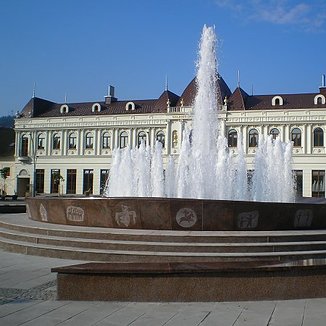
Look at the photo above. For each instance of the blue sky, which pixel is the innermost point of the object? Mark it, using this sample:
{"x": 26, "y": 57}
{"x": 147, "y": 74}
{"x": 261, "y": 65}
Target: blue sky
{"x": 77, "y": 47}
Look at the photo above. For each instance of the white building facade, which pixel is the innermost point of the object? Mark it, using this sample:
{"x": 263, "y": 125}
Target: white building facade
{"x": 67, "y": 148}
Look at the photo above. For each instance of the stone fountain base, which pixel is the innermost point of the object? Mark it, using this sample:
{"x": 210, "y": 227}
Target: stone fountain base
{"x": 202, "y": 282}
{"x": 262, "y": 277}
{"x": 177, "y": 214}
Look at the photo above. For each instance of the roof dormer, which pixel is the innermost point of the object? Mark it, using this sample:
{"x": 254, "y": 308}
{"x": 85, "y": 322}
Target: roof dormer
{"x": 130, "y": 106}
{"x": 277, "y": 101}
{"x": 319, "y": 99}
{"x": 64, "y": 109}
{"x": 96, "y": 107}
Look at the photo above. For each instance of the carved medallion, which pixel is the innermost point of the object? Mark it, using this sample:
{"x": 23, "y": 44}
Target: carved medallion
{"x": 125, "y": 217}
{"x": 75, "y": 214}
{"x": 248, "y": 220}
{"x": 186, "y": 217}
{"x": 303, "y": 218}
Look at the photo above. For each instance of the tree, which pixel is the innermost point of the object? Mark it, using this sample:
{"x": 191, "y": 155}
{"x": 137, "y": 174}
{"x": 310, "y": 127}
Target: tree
{"x": 4, "y": 173}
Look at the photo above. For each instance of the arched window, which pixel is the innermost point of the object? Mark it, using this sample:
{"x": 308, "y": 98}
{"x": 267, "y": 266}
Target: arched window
{"x": 319, "y": 99}
{"x": 141, "y": 138}
{"x": 253, "y": 138}
{"x": 123, "y": 139}
{"x": 318, "y": 137}
{"x": 89, "y": 140}
{"x": 130, "y": 106}
{"x": 106, "y": 140}
{"x": 174, "y": 139}
{"x": 296, "y": 137}
{"x": 56, "y": 141}
{"x": 161, "y": 137}
{"x": 277, "y": 100}
{"x": 274, "y": 132}
{"x": 72, "y": 141}
{"x": 41, "y": 141}
{"x": 64, "y": 109}
{"x": 232, "y": 138}
{"x": 96, "y": 107}
{"x": 24, "y": 146}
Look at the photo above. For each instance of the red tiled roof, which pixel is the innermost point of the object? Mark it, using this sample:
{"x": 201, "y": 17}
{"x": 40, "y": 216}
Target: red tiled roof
{"x": 189, "y": 94}
{"x": 239, "y": 100}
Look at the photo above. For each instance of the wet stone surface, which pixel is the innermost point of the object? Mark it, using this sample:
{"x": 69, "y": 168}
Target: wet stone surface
{"x": 46, "y": 291}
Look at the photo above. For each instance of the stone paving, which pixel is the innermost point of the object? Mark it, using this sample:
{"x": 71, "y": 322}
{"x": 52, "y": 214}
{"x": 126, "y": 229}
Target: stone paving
{"x": 28, "y": 297}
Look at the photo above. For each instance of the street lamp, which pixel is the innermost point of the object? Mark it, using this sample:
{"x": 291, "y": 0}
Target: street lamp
{"x": 34, "y": 157}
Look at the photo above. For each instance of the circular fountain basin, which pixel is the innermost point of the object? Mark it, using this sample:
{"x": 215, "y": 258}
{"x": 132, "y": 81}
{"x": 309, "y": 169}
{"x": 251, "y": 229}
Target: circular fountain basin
{"x": 178, "y": 214}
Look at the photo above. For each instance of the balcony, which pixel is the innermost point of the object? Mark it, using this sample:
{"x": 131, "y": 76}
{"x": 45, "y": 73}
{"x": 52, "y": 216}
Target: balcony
{"x": 24, "y": 159}
{"x": 179, "y": 109}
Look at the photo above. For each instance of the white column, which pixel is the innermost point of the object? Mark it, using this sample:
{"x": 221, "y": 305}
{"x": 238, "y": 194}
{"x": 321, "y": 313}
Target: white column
{"x": 79, "y": 181}
{"x": 96, "y": 181}
{"x": 152, "y": 137}
{"x": 286, "y": 133}
{"x": 309, "y": 139}
{"x": 64, "y": 149}
{"x": 168, "y": 144}
{"x": 133, "y": 140}
{"x": 307, "y": 183}
{"x": 81, "y": 136}
{"x": 115, "y": 138}
{"x": 244, "y": 132}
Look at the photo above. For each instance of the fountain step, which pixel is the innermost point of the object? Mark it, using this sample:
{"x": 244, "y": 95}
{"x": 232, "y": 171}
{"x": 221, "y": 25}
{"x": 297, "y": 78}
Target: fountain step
{"x": 19, "y": 234}
{"x": 158, "y": 246}
{"x": 150, "y": 256}
{"x": 20, "y": 222}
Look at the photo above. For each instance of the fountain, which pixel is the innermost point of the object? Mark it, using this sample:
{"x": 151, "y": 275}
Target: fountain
{"x": 207, "y": 189}
{"x": 205, "y": 168}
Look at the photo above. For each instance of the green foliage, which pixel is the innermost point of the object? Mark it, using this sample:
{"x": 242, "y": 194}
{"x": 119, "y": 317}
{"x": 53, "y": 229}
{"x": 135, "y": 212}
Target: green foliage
{"x": 7, "y": 121}
{"x": 4, "y": 172}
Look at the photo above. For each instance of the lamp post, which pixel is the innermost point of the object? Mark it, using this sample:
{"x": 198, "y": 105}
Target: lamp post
{"x": 34, "y": 157}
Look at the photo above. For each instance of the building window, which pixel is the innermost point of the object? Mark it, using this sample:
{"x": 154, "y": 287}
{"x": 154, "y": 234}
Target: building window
{"x": 41, "y": 141}
{"x": 89, "y": 140}
{"x": 103, "y": 179}
{"x": 161, "y": 138}
{"x": 64, "y": 109}
{"x": 141, "y": 138}
{"x": 318, "y": 137}
{"x": 56, "y": 141}
{"x": 39, "y": 186}
{"x": 96, "y": 107}
{"x": 123, "y": 139}
{"x": 24, "y": 146}
{"x": 88, "y": 181}
{"x": 71, "y": 181}
{"x": 319, "y": 99}
{"x": 55, "y": 180}
{"x": 250, "y": 179}
{"x": 174, "y": 139}
{"x": 232, "y": 138}
{"x": 296, "y": 137}
{"x": 106, "y": 140}
{"x": 277, "y": 100}
{"x": 253, "y": 138}
{"x": 318, "y": 183}
{"x": 72, "y": 141}
{"x": 298, "y": 178}
{"x": 274, "y": 133}
{"x": 130, "y": 106}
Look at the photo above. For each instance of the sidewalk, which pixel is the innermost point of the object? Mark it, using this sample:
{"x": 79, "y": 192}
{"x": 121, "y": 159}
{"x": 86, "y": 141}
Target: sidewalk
{"x": 27, "y": 297}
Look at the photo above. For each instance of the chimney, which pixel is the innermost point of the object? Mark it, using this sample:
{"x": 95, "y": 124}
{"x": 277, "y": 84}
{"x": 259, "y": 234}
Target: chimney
{"x": 322, "y": 88}
{"x": 109, "y": 98}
